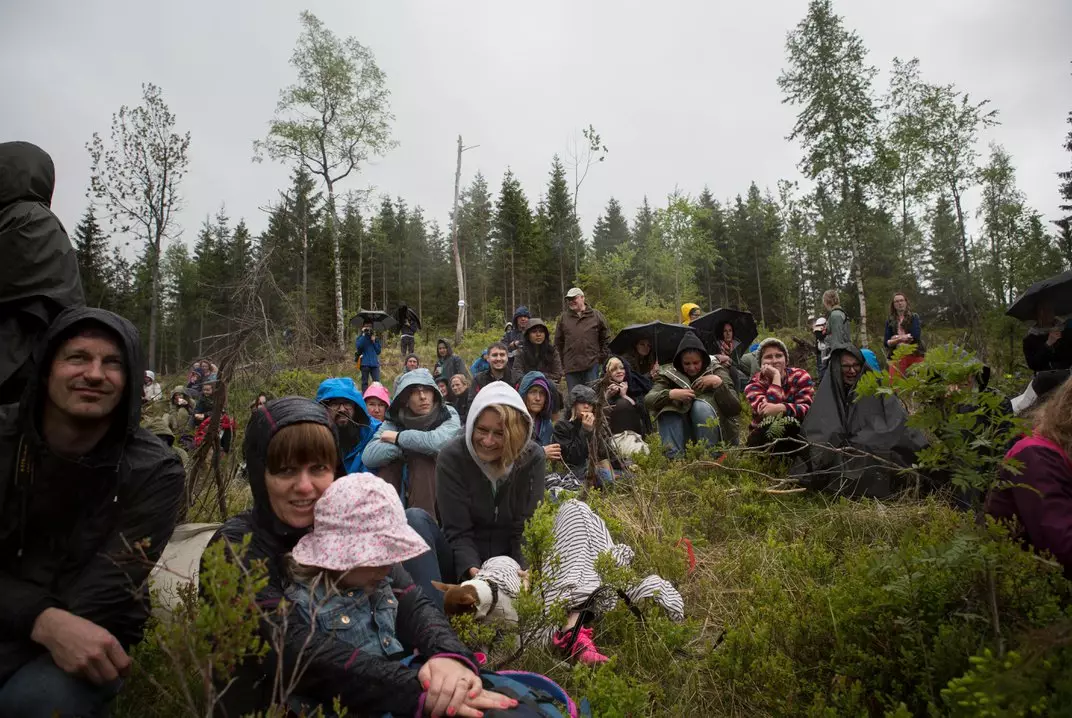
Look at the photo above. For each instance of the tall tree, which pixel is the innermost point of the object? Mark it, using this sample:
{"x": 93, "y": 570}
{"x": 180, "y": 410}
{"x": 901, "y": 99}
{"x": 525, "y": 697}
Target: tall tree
{"x": 138, "y": 175}
{"x": 561, "y": 221}
{"x": 475, "y": 216}
{"x": 592, "y": 151}
{"x": 611, "y": 230}
{"x": 1002, "y": 214}
{"x": 1065, "y": 223}
{"x": 93, "y": 261}
{"x": 331, "y": 121}
{"x": 512, "y": 232}
{"x": 828, "y": 76}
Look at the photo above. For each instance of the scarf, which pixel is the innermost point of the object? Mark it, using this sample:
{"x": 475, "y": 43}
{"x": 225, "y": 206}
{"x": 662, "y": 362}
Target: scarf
{"x": 409, "y": 420}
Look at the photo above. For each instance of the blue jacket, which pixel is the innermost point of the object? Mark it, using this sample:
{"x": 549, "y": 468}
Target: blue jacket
{"x": 368, "y": 349}
{"x": 543, "y": 428}
{"x": 481, "y": 364}
{"x": 365, "y": 621}
{"x": 915, "y": 328}
{"x": 380, "y": 453}
{"x": 343, "y": 387}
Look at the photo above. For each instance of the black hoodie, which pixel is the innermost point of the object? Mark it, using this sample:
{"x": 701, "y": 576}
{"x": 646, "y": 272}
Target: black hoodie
{"x": 39, "y": 274}
{"x": 365, "y": 683}
{"x": 73, "y": 520}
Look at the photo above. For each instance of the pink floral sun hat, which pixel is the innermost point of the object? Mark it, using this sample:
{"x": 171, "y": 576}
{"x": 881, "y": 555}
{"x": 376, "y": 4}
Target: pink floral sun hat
{"x": 359, "y": 522}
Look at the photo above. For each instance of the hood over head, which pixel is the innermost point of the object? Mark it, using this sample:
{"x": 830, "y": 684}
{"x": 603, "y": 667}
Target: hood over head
{"x": 444, "y": 342}
{"x": 151, "y": 374}
{"x": 497, "y": 392}
{"x": 691, "y": 342}
{"x": 180, "y": 389}
{"x": 537, "y": 322}
{"x": 127, "y": 415}
{"x": 835, "y": 367}
{"x": 160, "y": 427}
{"x": 417, "y": 377}
{"x": 686, "y": 310}
{"x": 537, "y": 379}
{"x": 264, "y": 424}
{"x": 521, "y": 311}
{"x": 27, "y": 174}
{"x": 343, "y": 387}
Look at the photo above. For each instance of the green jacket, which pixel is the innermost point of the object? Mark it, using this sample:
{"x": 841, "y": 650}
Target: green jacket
{"x": 724, "y": 400}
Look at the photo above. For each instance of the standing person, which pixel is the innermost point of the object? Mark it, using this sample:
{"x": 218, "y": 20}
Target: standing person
{"x": 581, "y": 337}
{"x": 448, "y": 363}
{"x": 180, "y": 418}
{"x": 376, "y": 400}
{"x": 903, "y": 327}
{"x": 537, "y": 353}
{"x": 818, "y": 330}
{"x": 489, "y": 481}
{"x": 352, "y": 420}
{"x": 536, "y": 392}
{"x": 690, "y": 312}
{"x": 408, "y": 330}
{"x": 460, "y": 397}
{"x": 515, "y": 332}
{"x": 838, "y": 331}
{"x": 778, "y": 390}
{"x": 367, "y": 352}
{"x": 498, "y": 369}
{"x": 39, "y": 278}
{"x": 404, "y": 450}
{"x": 88, "y": 501}
{"x": 688, "y": 394}
{"x": 291, "y": 450}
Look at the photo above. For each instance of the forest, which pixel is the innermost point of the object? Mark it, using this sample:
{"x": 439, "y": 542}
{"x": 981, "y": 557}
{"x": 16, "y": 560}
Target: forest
{"x": 798, "y": 602}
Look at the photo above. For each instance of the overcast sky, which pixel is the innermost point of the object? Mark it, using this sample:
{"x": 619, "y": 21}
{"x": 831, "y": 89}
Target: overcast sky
{"x": 683, "y": 93}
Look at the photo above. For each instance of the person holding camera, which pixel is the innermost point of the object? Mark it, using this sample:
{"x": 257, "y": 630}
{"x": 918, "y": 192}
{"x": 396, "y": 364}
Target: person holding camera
{"x": 367, "y": 355}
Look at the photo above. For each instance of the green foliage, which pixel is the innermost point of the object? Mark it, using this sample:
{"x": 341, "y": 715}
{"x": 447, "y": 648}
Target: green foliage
{"x": 611, "y": 694}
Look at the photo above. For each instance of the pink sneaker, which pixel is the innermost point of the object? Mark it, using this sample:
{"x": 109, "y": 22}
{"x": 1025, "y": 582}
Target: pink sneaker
{"x": 584, "y": 648}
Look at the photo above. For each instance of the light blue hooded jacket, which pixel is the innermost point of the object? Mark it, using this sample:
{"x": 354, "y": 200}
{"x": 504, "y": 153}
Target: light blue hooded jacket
{"x": 381, "y": 453}
{"x": 343, "y": 387}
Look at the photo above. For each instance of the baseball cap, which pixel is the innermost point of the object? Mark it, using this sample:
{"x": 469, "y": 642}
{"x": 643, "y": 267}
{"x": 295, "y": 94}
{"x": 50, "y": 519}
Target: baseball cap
{"x": 574, "y": 292}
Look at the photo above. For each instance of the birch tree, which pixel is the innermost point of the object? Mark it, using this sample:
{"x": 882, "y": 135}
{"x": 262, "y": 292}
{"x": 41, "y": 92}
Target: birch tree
{"x": 330, "y": 121}
{"x": 137, "y": 175}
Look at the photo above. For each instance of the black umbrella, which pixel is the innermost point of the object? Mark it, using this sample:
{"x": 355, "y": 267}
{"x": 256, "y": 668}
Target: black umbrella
{"x": 405, "y": 311}
{"x": 381, "y": 321}
{"x": 664, "y": 338}
{"x": 1056, "y": 290}
{"x": 709, "y": 327}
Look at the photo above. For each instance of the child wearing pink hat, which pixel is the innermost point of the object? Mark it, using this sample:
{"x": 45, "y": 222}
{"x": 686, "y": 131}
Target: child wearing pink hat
{"x": 341, "y": 576}
{"x": 377, "y": 400}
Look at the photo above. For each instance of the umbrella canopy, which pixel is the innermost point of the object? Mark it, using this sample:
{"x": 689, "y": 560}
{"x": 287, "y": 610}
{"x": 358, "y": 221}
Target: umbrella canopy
{"x": 709, "y": 326}
{"x": 1057, "y": 290}
{"x": 664, "y": 338}
{"x": 381, "y": 321}
{"x": 405, "y": 311}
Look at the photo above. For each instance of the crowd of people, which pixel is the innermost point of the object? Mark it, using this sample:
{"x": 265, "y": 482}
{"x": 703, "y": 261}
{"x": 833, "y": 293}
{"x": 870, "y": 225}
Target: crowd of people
{"x": 367, "y": 502}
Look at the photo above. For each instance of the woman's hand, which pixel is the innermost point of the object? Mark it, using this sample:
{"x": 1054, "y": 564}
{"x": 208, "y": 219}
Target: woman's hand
{"x": 654, "y": 370}
{"x": 391, "y": 437}
{"x": 682, "y": 394}
{"x": 771, "y": 374}
{"x": 449, "y": 683}
{"x": 485, "y": 700}
{"x": 553, "y": 452}
{"x": 473, "y": 572}
{"x": 709, "y": 381}
{"x": 773, "y": 409}
{"x": 722, "y": 359}
{"x": 1053, "y": 338}
{"x": 588, "y": 420}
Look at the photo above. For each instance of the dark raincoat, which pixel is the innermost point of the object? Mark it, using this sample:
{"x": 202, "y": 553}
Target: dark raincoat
{"x": 365, "y": 683}
{"x": 39, "y": 272}
{"x": 74, "y": 520}
{"x": 874, "y": 425}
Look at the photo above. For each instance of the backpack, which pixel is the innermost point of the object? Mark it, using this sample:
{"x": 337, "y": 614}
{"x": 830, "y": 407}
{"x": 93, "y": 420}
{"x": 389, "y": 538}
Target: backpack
{"x": 537, "y": 696}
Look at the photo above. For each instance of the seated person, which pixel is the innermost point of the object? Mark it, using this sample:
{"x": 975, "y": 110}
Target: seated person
{"x": 411, "y": 363}
{"x": 347, "y": 408}
{"x": 539, "y": 401}
{"x": 642, "y": 359}
{"x": 688, "y": 394}
{"x": 497, "y": 370}
{"x": 623, "y": 406}
{"x": 443, "y": 384}
{"x": 404, "y": 449}
{"x": 730, "y": 351}
{"x": 855, "y": 444}
{"x": 574, "y": 435}
{"x": 489, "y": 481}
{"x": 85, "y": 516}
{"x": 459, "y": 396}
{"x": 376, "y": 400}
{"x": 778, "y": 390}
{"x": 536, "y": 353}
{"x": 350, "y": 565}
{"x": 1037, "y": 498}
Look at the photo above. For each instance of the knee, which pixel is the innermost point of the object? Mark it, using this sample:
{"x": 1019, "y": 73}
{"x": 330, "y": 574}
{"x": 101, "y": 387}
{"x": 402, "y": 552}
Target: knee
{"x": 41, "y": 688}
{"x": 421, "y": 522}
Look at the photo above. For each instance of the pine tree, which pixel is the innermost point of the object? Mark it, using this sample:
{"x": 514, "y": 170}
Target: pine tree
{"x": 561, "y": 222}
{"x": 513, "y": 230}
{"x": 639, "y": 239}
{"x": 943, "y": 269}
{"x": 93, "y": 264}
{"x": 611, "y": 230}
{"x": 1065, "y": 223}
{"x": 474, "y": 238}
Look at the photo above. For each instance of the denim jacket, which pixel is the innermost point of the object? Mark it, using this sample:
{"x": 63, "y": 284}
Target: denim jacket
{"x": 363, "y": 620}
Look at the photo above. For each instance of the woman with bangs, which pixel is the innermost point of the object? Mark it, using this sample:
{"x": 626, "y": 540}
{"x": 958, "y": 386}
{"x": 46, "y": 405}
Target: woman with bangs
{"x": 292, "y": 455}
{"x": 489, "y": 481}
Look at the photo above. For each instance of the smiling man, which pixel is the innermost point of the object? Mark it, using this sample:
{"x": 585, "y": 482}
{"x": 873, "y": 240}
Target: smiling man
{"x": 87, "y": 502}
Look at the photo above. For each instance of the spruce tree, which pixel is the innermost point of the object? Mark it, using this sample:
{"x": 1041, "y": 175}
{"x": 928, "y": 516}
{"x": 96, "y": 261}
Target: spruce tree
{"x": 93, "y": 262}
{"x": 611, "y": 230}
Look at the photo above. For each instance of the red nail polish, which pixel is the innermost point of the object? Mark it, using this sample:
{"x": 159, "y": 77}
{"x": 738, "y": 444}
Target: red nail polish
{"x": 450, "y": 711}
{"x": 425, "y": 685}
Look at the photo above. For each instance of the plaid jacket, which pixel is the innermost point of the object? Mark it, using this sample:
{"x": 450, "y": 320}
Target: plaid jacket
{"x": 796, "y": 392}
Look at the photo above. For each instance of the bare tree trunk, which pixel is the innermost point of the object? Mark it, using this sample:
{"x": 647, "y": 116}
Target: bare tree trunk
{"x": 513, "y": 282}
{"x": 155, "y": 299}
{"x": 459, "y": 328}
{"x": 336, "y": 253}
{"x": 863, "y": 302}
{"x": 305, "y": 266}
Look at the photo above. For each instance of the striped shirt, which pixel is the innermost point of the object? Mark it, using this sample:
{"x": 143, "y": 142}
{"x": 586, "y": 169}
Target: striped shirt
{"x": 501, "y": 571}
{"x": 796, "y": 392}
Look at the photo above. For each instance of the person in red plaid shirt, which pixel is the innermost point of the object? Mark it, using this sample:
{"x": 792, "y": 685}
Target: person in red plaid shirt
{"x": 778, "y": 390}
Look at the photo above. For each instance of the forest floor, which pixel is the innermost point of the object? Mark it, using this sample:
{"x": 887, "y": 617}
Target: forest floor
{"x": 797, "y": 604}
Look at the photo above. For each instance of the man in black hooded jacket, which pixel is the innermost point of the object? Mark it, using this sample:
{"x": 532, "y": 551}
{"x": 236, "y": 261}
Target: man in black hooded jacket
{"x": 39, "y": 274}
{"x": 88, "y": 500}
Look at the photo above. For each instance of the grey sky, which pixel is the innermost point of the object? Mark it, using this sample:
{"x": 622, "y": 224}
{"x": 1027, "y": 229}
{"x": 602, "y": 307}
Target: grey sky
{"x": 683, "y": 93}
